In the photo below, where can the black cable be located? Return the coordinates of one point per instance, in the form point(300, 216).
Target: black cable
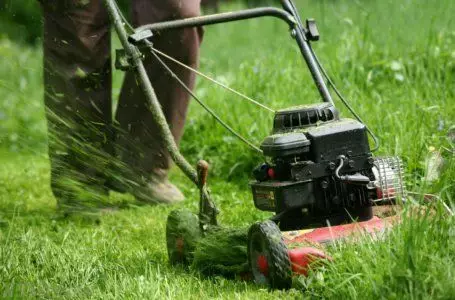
point(210, 111)
point(345, 102)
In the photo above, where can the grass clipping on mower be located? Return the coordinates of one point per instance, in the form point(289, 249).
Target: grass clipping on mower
point(223, 251)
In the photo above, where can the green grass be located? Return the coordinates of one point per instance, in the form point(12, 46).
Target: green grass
point(394, 60)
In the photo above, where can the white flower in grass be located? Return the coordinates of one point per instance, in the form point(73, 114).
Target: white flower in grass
point(399, 77)
point(396, 66)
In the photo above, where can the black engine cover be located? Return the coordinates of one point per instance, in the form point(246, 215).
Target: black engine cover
point(343, 137)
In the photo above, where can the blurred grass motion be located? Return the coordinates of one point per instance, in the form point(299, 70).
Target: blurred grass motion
point(394, 61)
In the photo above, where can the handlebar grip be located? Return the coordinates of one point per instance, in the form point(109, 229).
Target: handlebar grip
point(202, 172)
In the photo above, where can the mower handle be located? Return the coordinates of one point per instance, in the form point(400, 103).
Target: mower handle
point(219, 18)
point(288, 14)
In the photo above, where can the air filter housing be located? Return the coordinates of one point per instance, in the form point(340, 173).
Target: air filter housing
point(290, 144)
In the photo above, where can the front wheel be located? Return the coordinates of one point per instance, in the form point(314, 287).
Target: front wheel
point(182, 235)
point(268, 256)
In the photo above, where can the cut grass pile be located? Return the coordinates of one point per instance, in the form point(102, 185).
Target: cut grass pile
point(395, 61)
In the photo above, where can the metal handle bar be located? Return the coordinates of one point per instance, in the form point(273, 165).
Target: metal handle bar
point(208, 211)
point(221, 18)
point(289, 15)
point(150, 96)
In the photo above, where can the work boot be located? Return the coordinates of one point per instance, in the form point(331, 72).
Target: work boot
point(158, 191)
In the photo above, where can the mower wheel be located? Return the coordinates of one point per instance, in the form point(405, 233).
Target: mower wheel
point(182, 235)
point(268, 256)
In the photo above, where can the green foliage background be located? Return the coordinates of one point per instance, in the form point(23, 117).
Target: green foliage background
point(20, 20)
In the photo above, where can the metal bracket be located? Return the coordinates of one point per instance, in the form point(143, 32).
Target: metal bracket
point(354, 179)
point(125, 62)
point(312, 30)
point(122, 60)
point(139, 36)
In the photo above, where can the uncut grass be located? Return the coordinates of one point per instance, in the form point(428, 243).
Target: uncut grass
point(402, 265)
point(394, 61)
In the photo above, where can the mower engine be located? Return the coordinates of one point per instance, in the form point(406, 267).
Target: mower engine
point(322, 170)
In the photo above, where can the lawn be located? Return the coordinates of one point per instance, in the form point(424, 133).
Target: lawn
point(394, 61)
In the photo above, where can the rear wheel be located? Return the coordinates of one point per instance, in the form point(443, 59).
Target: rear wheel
point(182, 235)
point(268, 256)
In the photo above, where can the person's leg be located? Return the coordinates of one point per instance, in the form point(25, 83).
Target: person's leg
point(143, 149)
point(77, 81)
point(211, 5)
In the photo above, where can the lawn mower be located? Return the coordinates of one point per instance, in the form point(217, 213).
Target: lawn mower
point(319, 176)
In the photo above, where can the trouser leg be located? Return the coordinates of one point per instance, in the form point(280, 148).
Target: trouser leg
point(77, 81)
point(143, 149)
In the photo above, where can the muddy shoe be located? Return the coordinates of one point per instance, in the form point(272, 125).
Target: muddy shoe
point(151, 189)
point(155, 192)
